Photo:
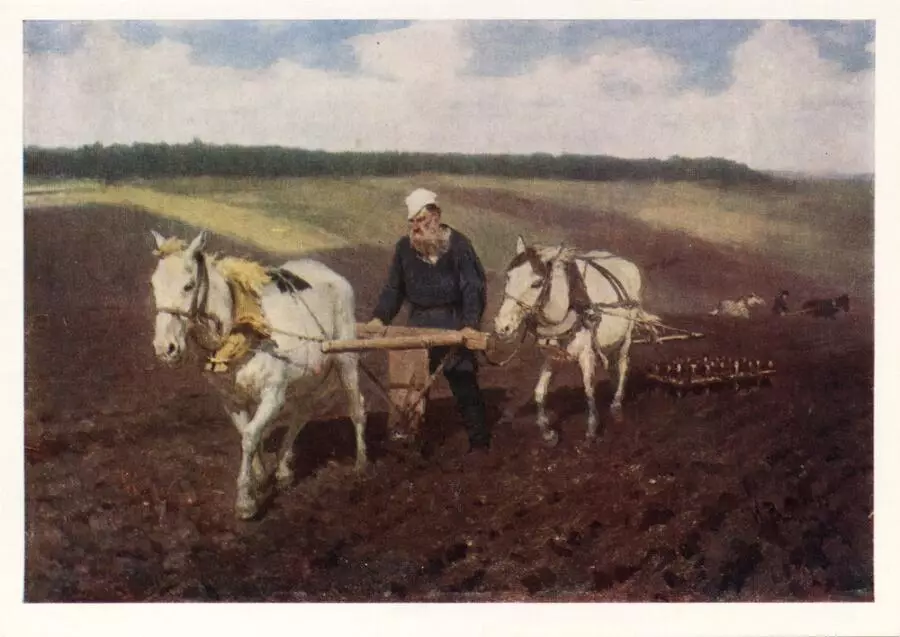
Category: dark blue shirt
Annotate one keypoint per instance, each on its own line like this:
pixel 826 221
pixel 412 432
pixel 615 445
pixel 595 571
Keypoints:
pixel 449 294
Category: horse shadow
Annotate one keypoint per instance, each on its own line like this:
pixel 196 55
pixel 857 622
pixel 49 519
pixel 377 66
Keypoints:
pixel 443 419
pixel 334 440
pixel 567 401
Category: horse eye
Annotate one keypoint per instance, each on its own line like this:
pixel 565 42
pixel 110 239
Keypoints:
pixel 537 284
pixel 189 286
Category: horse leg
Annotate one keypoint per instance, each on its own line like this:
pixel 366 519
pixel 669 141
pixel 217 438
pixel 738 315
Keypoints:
pixel 284 473
pixel 588 362
pixel 622 363
pixel 540 393
pixel 349 370
pixel 240 420
pixel 271 402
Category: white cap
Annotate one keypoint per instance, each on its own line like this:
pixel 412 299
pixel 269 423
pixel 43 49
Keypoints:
pixel 418 199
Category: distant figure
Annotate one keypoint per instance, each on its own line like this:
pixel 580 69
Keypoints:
pixel 739 308
pixel 827 308
pixel 780 306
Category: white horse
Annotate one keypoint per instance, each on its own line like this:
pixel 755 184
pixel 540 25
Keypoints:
pixel 583 304
pixel 193 297
pixel 739 308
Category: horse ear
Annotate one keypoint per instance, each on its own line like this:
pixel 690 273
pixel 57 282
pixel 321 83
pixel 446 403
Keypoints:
pixel 158 238
pixel 520 245
pixel 198 244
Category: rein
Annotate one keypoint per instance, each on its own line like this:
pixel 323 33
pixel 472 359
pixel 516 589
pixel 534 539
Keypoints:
pixel 493 363
pixel 586 315
pixel 543 270
pixel 197 309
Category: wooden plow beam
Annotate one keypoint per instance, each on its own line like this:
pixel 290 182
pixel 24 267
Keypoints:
pixel 653 332
pixel 669 337
pixel 409 380
pixel 807 310
pixel 404 338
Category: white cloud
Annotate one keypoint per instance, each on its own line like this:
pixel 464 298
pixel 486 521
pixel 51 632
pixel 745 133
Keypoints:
pixel 429 52
pixel 787 107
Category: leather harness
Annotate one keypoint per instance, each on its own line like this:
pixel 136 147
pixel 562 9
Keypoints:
pixel 586 311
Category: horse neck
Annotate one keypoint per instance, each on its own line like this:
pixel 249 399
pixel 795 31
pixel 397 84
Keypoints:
pixel 219 303
pixel 556 307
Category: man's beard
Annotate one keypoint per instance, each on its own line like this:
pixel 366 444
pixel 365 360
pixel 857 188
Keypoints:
pixel 432 242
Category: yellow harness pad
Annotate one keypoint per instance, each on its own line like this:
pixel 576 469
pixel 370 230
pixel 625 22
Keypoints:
pixel 245 280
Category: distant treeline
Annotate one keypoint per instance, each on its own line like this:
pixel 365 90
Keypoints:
pixel 118 162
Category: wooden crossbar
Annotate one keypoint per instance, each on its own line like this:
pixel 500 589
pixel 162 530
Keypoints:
pixel 672 337
pixel 404 338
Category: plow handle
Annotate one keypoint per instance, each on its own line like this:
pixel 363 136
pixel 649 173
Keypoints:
pixel 435 338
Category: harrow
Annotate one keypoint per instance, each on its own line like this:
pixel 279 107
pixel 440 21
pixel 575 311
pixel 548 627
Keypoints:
pixel 705 374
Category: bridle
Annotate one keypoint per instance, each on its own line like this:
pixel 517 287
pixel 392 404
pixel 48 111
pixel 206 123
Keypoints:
pixel 197 310
pixel 532 311
pixel 532 318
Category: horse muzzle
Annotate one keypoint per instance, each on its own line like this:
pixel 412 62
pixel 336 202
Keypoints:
pixel 505 330
pixel 168 352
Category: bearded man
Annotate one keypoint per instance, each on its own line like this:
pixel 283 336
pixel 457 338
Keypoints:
pixel 436 271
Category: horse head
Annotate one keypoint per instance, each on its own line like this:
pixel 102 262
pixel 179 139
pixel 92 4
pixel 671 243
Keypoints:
pixel 180 285
pixel 526 281
pixel 754 299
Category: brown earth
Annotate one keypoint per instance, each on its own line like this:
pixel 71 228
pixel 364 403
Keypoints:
pixel 758 495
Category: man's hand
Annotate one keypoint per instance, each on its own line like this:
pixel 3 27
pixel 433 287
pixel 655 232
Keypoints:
pixel 375 323
pixel 470 334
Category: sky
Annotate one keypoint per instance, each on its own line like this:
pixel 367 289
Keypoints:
pixel 776 95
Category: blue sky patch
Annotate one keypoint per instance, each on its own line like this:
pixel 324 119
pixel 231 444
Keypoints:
pixel 500 48
pixel 246 44
pixel 842 41
pixel 53 36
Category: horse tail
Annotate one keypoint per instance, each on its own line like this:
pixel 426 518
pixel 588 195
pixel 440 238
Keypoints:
pixel 344 310
pixel 646 317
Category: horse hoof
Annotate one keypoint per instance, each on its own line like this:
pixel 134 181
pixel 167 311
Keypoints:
pixel 616 413
pixel 245 510
pixel 551 438
pixel 399 436
pixel 284 478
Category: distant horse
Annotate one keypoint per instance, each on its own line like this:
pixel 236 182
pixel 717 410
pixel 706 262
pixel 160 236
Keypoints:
pixel 582 304
pixel 739 308
pixel 303 303
pixel 827 308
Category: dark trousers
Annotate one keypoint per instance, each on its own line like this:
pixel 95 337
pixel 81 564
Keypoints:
pixel 461 372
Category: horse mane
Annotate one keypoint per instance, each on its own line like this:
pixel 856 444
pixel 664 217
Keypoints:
pixel 529 255
pixel 172 245
pixel 540 255
pixel 246 274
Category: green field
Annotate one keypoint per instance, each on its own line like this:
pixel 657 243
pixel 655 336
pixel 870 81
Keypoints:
pixel 822 227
